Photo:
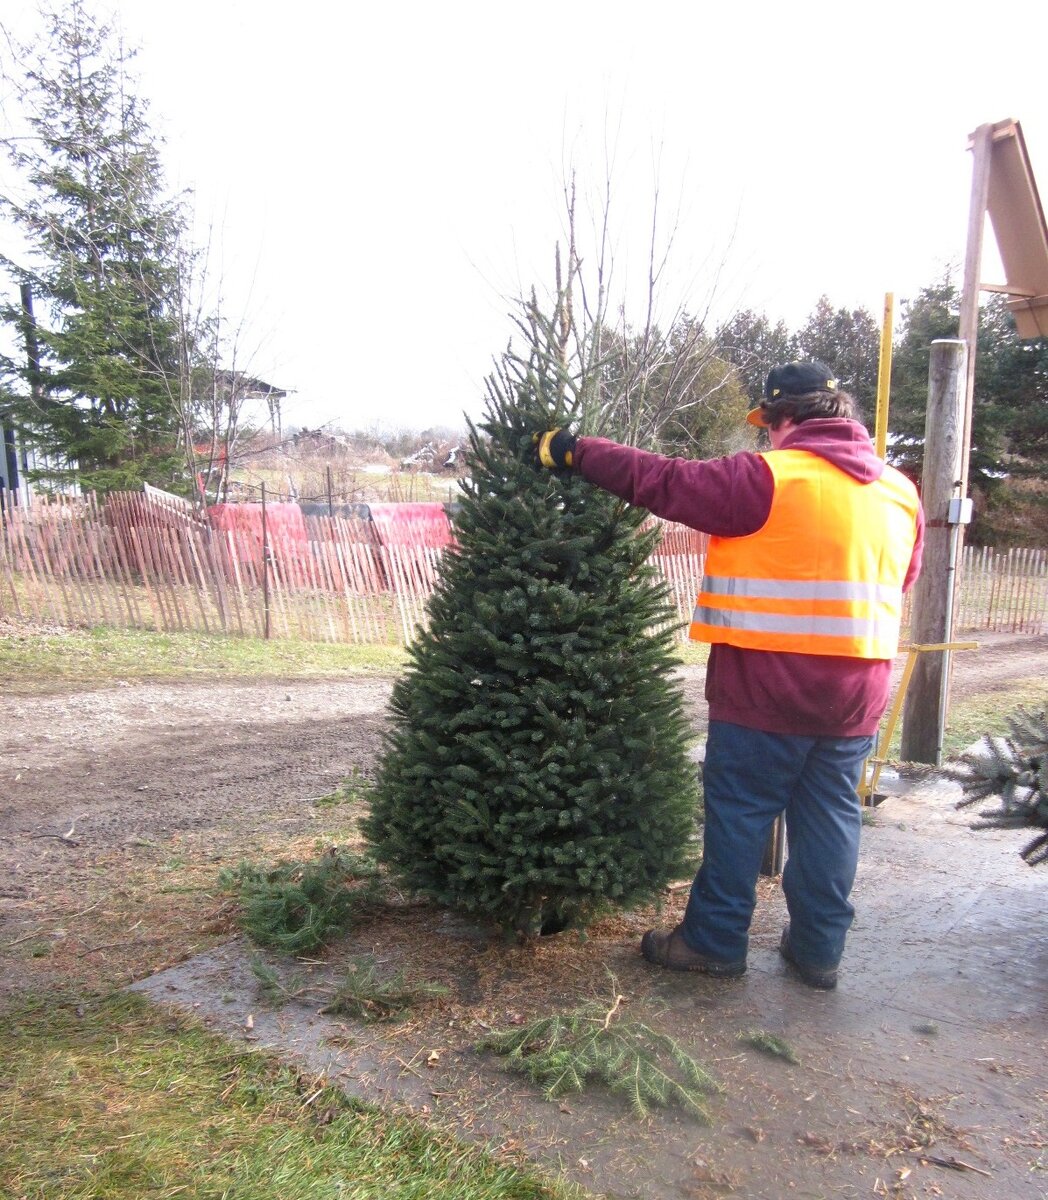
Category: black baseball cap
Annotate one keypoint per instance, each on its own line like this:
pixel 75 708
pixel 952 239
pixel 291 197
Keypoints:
pixel 793 379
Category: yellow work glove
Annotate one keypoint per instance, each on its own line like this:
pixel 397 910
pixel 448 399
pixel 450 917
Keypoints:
pixel 555 449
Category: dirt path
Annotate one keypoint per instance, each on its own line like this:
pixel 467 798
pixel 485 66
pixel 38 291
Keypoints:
pixel 119 805
pixel 148 760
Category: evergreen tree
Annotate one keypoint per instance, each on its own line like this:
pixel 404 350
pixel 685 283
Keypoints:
pixel 931 316
pixel 536 769
pixel 1010 410
pixel 1012 374
pixel 848 341
pixel 1008 466
pixel 102 247
pixel 753 346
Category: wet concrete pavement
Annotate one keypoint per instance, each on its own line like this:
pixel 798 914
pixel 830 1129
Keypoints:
pixel 922 1075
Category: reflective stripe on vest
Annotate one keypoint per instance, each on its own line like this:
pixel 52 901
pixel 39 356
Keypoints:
pixel 841 593
pixel 794 589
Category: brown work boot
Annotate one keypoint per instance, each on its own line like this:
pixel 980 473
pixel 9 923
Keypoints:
pixel 669 949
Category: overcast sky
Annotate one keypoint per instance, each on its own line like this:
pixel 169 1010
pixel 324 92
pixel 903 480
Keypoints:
pixel 380 181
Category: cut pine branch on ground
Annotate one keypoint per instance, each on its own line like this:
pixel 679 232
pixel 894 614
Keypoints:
pixel 363 992
pixel 594 1043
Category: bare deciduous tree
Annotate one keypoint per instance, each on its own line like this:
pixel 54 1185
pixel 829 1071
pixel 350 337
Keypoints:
pixel 659 382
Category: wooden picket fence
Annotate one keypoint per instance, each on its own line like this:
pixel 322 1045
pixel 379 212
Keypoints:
pixel 1004 590
pixel 137 563
pixel 152 562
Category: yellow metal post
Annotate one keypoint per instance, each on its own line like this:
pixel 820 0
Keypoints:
pixel 884 377
pixel 868 787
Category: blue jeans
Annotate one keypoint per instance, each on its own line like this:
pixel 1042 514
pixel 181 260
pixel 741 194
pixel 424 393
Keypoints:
pixel 749 779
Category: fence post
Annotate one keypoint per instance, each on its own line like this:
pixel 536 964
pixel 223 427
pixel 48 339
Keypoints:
pixel 265 564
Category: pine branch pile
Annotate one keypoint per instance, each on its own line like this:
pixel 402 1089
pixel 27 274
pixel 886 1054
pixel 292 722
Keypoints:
pixel 1014 769
pixel 536 772
pixel 365 994
pixel 296 906
pixel 362 993
pixel 564 1052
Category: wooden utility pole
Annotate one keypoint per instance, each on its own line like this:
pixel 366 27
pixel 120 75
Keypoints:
pixel 947 448
pixel 924 714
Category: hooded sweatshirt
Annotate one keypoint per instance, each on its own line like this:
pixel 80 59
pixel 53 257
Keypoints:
pixel 810 695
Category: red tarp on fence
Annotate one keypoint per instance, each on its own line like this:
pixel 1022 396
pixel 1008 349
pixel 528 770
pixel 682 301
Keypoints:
pixel 284 521
pixel 412 524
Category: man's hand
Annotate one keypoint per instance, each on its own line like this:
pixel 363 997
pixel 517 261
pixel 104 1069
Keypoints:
pixel 555 449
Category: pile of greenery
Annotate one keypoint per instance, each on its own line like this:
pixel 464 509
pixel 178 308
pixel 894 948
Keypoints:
pixel 1015 770
pixel 295 907
pixel 364 991
pixel 770 1044
pixel 564 1052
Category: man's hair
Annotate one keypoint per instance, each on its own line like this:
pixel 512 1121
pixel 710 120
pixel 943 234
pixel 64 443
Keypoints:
pixel 808 407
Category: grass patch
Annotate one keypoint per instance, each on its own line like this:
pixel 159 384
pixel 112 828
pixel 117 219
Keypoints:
pixel 101 655
pixel 110 1099
pixel 38 660
pixel 971 717
pixel 353 790
pixel 692 654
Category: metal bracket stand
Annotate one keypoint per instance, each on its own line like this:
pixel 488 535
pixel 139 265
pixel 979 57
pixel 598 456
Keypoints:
pixel 871 770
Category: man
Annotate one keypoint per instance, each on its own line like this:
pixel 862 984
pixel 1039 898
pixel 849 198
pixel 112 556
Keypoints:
pixel 812 545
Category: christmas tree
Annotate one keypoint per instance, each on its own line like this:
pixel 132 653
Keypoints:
pixel 1015 770
pixel 536 770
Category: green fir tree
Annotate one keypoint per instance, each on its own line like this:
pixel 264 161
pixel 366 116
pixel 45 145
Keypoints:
pixel 101 245
pixel 536 770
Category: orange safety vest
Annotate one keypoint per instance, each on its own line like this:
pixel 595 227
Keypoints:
pixel 824 574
